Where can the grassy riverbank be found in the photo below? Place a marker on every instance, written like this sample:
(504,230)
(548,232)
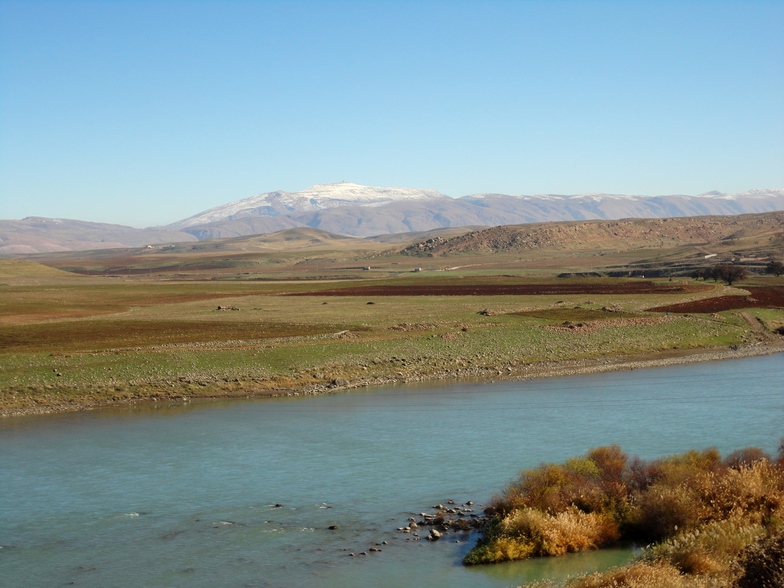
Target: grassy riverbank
(73,342)
(708,521)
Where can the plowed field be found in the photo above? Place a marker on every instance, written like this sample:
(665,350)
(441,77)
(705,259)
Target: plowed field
(759,297)
(641,287)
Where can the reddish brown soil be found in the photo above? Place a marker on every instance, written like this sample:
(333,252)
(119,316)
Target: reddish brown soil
(760,297)
(641,287)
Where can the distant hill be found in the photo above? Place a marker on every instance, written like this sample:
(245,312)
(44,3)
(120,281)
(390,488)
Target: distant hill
(362,211)
(45,235)
(629,247)
(19,268)
(292,239)
(710,232)
(395,238)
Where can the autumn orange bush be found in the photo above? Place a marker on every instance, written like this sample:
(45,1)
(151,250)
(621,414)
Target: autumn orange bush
(699,513)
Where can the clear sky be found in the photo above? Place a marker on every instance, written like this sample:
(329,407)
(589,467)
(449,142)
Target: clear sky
(146,112)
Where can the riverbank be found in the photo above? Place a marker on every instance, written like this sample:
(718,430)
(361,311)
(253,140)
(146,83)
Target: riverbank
(184,389)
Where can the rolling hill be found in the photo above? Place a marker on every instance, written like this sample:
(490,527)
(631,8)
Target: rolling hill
(711,232)
(361,211)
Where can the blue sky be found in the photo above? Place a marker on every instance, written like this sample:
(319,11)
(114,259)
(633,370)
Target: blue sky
(146,112)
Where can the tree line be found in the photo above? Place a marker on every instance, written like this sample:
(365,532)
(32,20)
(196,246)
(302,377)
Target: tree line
(730,273)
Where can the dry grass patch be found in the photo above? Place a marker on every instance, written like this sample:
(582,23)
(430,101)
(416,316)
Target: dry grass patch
(109,334)
(643,575)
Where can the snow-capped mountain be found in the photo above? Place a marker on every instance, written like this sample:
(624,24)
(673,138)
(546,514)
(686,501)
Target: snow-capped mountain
(357,210)
(364,211)
(749,195)
(318,197)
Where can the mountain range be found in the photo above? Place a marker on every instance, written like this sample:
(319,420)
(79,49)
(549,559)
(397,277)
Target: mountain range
(364,211)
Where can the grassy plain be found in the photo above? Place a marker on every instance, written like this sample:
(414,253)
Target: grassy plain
(142,325)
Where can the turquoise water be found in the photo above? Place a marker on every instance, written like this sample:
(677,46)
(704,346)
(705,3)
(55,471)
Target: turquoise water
(186,495)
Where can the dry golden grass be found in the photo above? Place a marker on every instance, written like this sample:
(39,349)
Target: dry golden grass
(645,575)
(568,531)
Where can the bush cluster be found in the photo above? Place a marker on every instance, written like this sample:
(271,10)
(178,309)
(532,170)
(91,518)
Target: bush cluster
(725,272)
(703,516)
(775,267)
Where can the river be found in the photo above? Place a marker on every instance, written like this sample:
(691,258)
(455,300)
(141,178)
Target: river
(242,493)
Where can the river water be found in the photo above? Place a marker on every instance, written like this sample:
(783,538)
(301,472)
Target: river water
(186,495)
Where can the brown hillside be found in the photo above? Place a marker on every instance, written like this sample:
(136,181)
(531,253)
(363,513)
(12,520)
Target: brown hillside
(622,234)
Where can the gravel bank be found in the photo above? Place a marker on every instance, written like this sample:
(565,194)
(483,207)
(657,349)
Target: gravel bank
(552,369)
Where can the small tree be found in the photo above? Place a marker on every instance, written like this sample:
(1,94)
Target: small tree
(775,267)
(730,273)
(704,273)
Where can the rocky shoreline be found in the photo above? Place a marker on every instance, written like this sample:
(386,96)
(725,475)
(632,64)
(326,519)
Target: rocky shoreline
(446,519)
(551,369)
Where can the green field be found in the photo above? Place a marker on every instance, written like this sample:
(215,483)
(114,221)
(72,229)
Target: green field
(74,341)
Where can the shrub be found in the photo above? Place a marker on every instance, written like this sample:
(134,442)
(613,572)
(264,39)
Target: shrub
(611,462)
(775,267)
(641,474)
(673,470)
(638,575)
(762,564)
(529,532)
(593,483)
(583,467)
(680,469)
(745,456)
(751,493)
(703,511)
(711,549)
(498,550)
(663,510)
(565,532)
(546,488)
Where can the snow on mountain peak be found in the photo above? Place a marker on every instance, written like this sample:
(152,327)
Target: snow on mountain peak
(355,193)
(296,205)
(749,194)
(316,197)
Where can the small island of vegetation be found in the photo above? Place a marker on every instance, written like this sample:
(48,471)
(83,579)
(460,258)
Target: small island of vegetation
(707,521)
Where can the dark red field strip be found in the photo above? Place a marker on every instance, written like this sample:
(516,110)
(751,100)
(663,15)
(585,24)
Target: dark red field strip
(760,297)
(506,290)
